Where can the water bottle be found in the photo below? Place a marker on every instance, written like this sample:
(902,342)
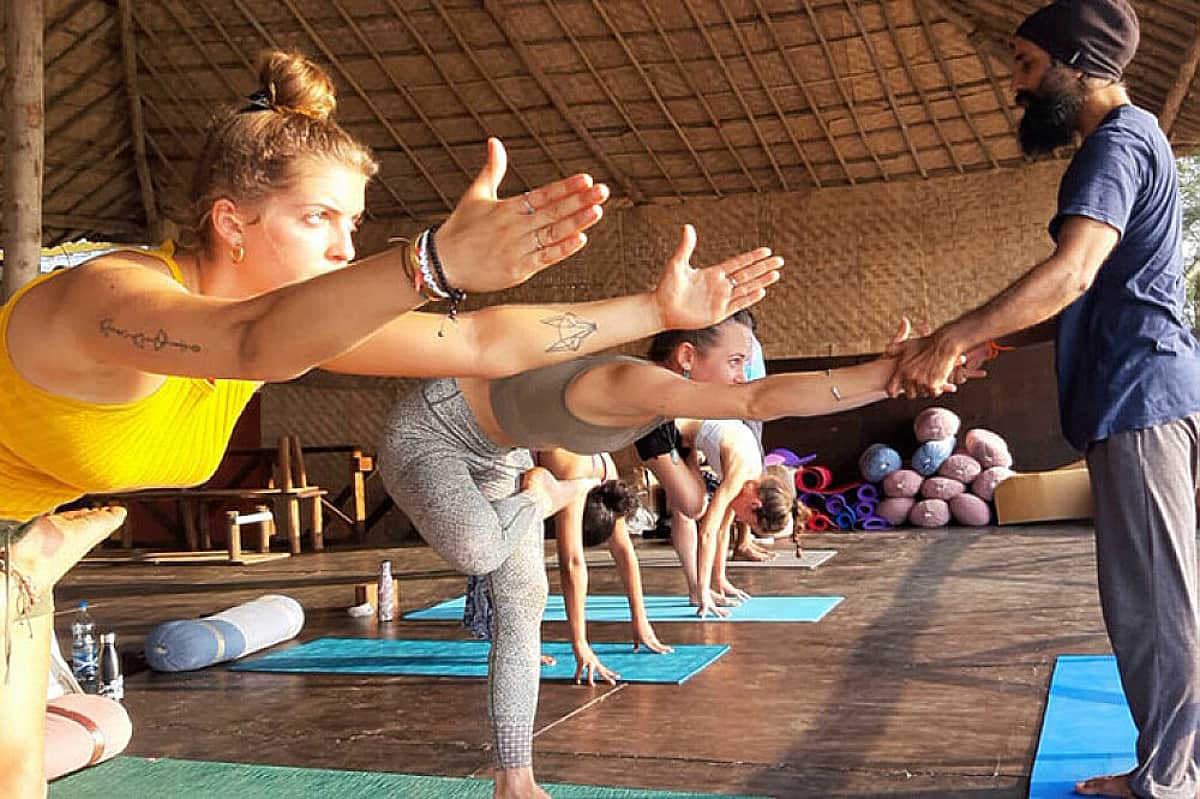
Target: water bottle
(386,606)
(84,649)
(112,682)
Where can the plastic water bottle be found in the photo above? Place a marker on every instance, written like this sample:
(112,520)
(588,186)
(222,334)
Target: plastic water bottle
(386,608)
(84,649)
(112,682)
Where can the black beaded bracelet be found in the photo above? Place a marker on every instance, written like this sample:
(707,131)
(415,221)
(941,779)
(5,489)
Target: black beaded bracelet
(456,295)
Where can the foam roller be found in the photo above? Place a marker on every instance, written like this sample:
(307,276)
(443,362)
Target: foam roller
(192,644)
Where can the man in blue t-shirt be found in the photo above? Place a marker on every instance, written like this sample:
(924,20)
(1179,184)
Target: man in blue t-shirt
(1128,367)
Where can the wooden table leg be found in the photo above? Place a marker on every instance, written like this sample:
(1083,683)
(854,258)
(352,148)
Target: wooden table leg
(291,513)
(318,525)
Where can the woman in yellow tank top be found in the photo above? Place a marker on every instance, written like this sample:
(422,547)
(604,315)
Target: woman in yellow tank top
(130,370)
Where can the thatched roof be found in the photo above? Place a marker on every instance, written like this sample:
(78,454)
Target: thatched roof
(665,100)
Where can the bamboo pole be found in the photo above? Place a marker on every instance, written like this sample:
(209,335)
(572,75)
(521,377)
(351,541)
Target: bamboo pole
(24,146)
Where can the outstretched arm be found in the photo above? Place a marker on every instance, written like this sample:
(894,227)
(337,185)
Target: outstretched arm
(506,339)
(123,312)
(924,366)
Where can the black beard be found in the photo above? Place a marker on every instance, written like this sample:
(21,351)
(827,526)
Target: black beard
(1051,115)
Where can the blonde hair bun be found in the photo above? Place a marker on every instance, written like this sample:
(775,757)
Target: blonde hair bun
(296,84)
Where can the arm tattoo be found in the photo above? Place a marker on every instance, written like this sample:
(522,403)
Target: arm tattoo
(159,341)
(572,331)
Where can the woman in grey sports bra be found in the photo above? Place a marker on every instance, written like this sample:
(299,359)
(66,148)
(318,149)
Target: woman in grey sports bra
(455,458)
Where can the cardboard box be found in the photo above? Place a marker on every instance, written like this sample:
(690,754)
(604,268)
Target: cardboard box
(369,592)
(1057,495)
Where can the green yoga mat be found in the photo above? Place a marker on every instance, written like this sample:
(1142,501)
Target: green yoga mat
(195,779)
(437,658)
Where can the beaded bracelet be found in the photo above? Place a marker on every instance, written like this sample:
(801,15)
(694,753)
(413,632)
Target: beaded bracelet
(426,268)
(456,296)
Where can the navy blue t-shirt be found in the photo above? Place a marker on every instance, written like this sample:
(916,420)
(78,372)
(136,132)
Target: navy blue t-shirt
(1126,360)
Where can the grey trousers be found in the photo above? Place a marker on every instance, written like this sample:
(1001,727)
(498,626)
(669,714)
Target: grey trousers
(462,493)
(1144,489)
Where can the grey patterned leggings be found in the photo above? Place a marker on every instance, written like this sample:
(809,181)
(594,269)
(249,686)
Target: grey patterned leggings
(462,493)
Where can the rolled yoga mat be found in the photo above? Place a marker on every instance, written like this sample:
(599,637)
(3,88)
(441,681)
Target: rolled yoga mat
(194,779)
(435,658)
(614,607)
(228,635)
(1087,729)
(82,730)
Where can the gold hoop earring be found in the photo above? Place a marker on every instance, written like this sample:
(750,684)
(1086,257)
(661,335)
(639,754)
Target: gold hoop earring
(237,254)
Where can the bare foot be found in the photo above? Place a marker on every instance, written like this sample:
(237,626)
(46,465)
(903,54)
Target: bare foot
(1110,785)
(57,542)
(553,493)
(547,660)
(517,783)
(754,552)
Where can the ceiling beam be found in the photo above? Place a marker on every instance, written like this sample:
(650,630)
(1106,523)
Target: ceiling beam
(886,84)
(831,63)
(598,7)
(136,123)
(503,20)
(735,26)
(467,105)
(948,74)
(912,79)
(804,88)
(688,78)
(1183,82)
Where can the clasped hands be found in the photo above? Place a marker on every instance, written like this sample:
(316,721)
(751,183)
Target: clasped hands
(932,364)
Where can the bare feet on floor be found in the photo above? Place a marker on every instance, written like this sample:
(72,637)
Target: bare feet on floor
(553,493)
(754,552)
(1109,785)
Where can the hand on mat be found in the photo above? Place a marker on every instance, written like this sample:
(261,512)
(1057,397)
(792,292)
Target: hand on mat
(548,660)
(709,605)
(644,635)
(924,366)
(586,663)
(689,298)
(488,244)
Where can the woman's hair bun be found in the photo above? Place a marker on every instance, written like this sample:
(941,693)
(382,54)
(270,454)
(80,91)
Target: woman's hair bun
(293,83)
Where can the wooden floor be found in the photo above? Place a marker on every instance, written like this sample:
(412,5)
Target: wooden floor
(929,680)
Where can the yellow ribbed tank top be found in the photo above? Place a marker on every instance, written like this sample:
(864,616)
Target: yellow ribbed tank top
(54,449)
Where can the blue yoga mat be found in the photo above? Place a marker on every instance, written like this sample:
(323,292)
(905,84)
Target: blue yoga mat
(660,608)
(470,659)
(1087,729)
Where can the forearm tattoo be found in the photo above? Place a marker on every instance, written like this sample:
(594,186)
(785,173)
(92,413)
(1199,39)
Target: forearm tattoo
(157,342)
(572,331)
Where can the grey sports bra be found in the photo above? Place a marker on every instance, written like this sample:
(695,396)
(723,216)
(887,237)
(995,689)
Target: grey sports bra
(531,409)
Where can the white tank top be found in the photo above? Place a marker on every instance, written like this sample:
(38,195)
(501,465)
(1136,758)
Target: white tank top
(713,431)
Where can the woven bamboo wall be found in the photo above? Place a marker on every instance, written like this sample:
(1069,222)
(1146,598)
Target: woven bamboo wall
(858,258)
